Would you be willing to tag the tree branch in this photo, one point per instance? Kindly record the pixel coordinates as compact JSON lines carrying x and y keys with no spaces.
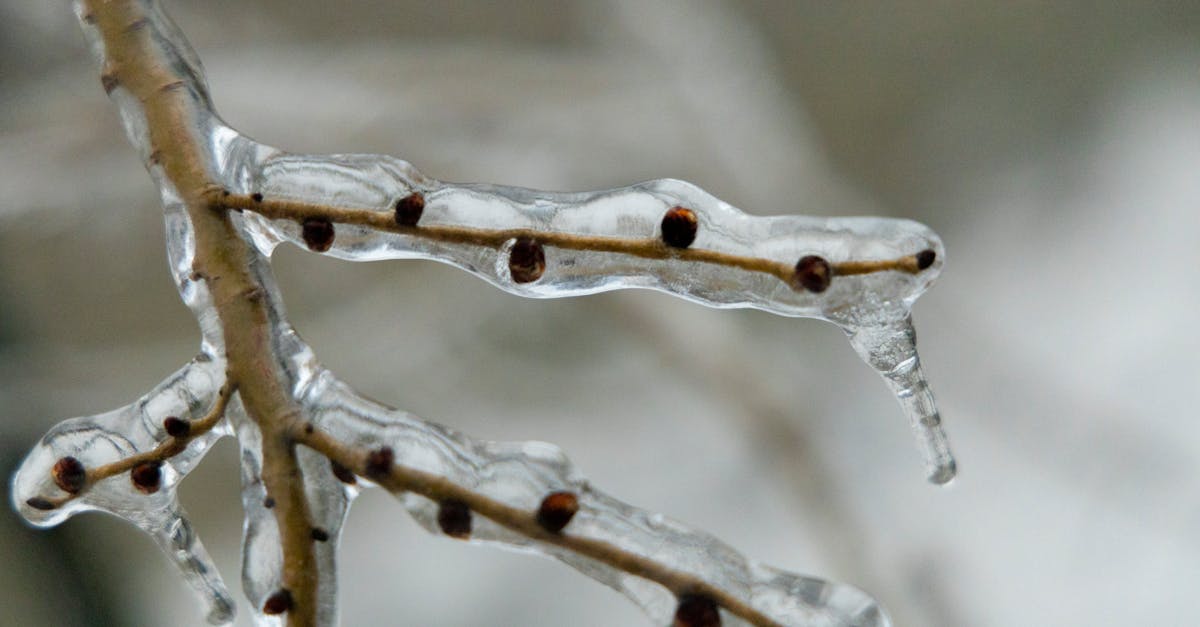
{"x":228,"y":201}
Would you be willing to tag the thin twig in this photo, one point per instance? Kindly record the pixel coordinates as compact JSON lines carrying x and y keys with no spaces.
{"x":400,"y":478}
{"x":646,"y":248}
{"x":168,"y":448}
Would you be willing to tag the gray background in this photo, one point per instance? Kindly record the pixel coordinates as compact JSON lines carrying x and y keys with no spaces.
{"x":1053,"y":145}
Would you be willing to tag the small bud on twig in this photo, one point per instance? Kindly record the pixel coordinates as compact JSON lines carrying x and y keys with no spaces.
{"x":526,"y":261}
{"x":813,"y":273}
{"x":679,"y":227}
{"x":925,"y":258}
{"x":278,"y":603}
{"x":696,"y":611}
{"x":38,"y":502}
{"x":409,"y":209}
{"x":146,"y":476}
{"x":318,"y":234}
{"x":69,"y":474}
{"x":379,"y":462}
{"x":177,"y":427}
{"x":454,"y":517}
{"x":345,"y":475}
{"x":556,"y":511}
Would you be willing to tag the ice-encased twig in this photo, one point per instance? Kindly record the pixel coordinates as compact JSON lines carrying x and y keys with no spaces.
{"x":647,"y":557}
{"x":873,"y":271}
{"x":588,"y":242}
{"x":96,"y":441}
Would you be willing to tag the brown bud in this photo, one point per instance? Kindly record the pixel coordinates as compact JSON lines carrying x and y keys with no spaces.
{"x":278,"y":603}
{"x":696,"y":611}
{"x":813,"y":273}
{"x":146,"y":476}
{"x":925,"y":258}
{"x":409,"y":209}
{"x":379,"y":462}
{"x":256,"y":197}
{"x":38,"y":502}
{"x":342,"y":473}
{"x":679,"y":227}
{"x":109,"y":82}
{"x":454,"y":517}
{"x":320,"y":535}
{"x":556,"y":511}
{"x":69,"y":474}
{"x":318,"y":234}
{"x":269,"y":502}
{"x":527,"y":260}
{"x":177,"y":427}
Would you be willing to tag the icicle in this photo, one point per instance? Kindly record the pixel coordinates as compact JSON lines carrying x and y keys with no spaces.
{"x":892,"y":351}
{"x":173,"y":533}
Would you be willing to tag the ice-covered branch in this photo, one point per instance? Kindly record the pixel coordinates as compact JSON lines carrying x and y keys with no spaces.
{"x":128,"y":462}
{"x":528,"y":495}
{"x":229,"y":201}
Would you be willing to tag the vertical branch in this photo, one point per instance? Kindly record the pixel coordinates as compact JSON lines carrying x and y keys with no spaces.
{"x":164,"y":104}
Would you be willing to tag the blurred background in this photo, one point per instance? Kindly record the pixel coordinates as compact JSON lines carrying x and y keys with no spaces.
{"x":1054,"y":146}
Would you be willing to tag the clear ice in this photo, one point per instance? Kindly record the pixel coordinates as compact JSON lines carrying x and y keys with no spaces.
{"x":873,"y":309}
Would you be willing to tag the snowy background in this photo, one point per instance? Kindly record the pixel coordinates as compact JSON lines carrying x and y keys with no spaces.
{"x":1054,"y":146}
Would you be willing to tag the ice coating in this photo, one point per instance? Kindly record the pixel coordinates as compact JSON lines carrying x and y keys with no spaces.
{"x":592,"y":242}
{"x":605,"y":240}
{"x":519,"y":474}
{"x":119,"y":434}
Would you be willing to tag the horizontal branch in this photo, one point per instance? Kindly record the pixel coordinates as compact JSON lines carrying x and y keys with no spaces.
{"x":397,"y":478}
{"x":73,"y":478}
{"x":793,"y":273}
{"x":532,"y":493}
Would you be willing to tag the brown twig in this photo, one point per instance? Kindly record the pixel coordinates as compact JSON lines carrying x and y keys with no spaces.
{"x":398,"y":478}
{"x":646,"y":248}
{"x":168,"y":448}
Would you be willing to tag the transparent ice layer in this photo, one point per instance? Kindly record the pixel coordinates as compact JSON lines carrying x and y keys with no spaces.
{"x":106,"y":438}
{"x":873,"y":308}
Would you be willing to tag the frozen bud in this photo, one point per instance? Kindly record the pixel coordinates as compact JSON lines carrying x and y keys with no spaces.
{"x":526,"y":261}
{"x":69,"y":475}
{"x":925,"y":258}
{"x":342,"y":473}
{"x":454,"y":517}
{"x":318,"y":234}
{"x":696,"y":611}
{"x":813,"y":273}
{"x":278,"y":603}
{"x":556,"y":511}
{"x":177,"y":427}
{"x":679,"y":227}
{"x":147,"y":476}
{"x":409,"y":209}
{"x":379,"y":462}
